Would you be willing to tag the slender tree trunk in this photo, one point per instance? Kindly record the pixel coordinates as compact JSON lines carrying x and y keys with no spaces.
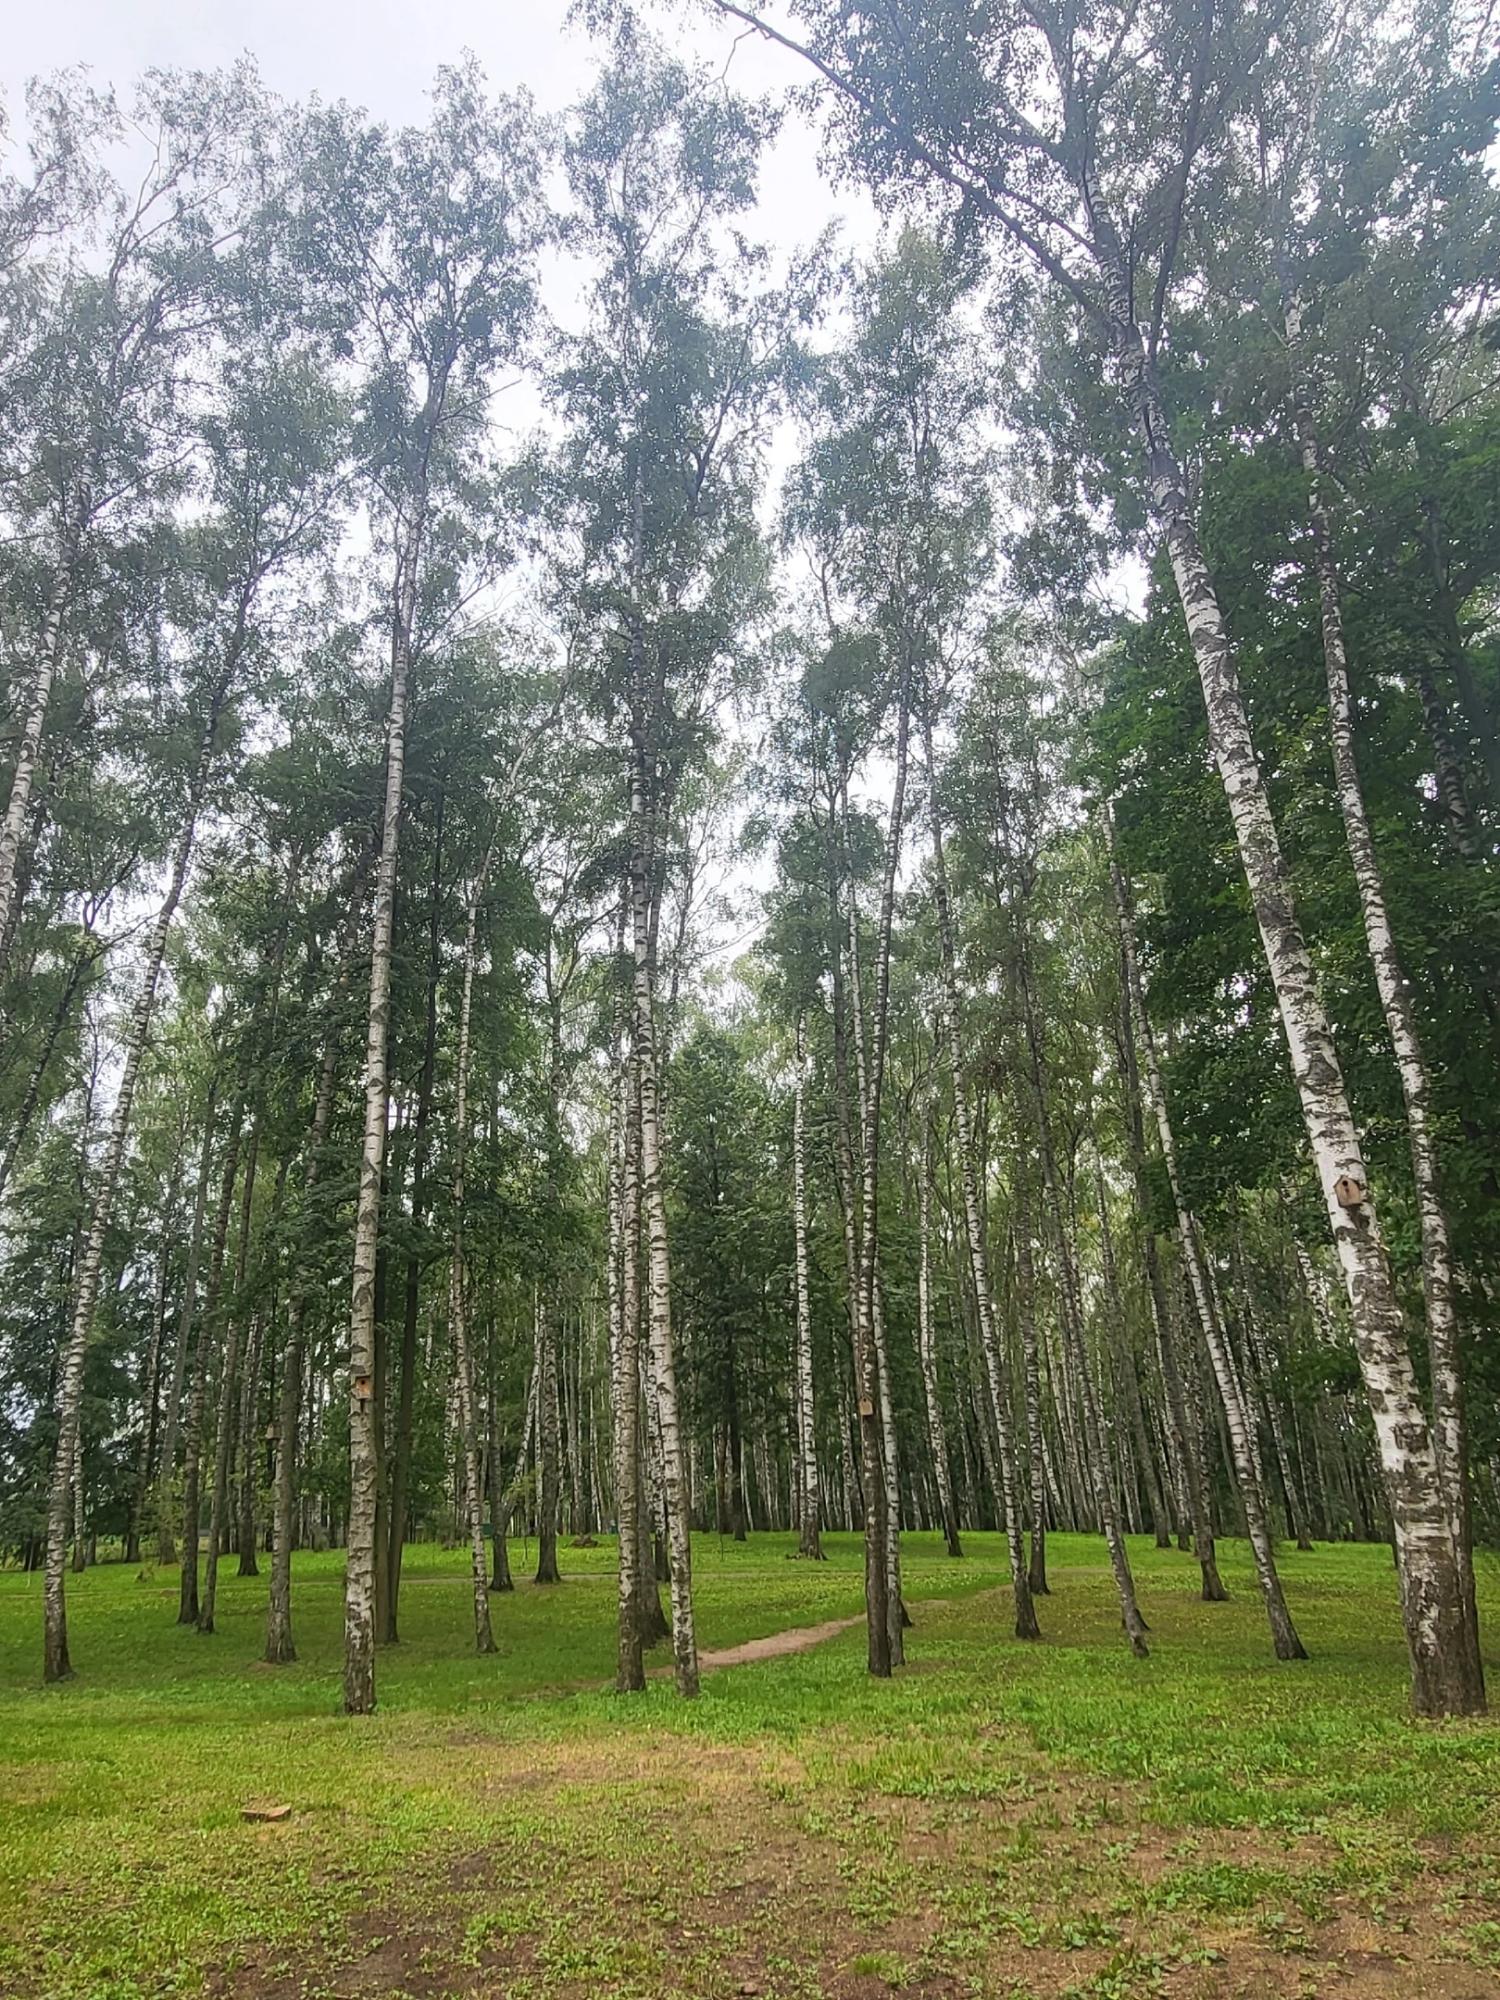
{"x":56,"y":1663}
{"x":1259,"y":1361}
{"x":86,"y":955}
{"x":280,"y":1649}
{"x":927,"y":1351}
{"x":1180,"y":1411}
{"x":1284,"y":1639}
{"x":658,"y":1258}
{"x":150,"y":1396}
{"x":412,"y":1297}
{"x":853,"y":1519}
{"x":549,"y":1450}
{"x":1059,"y":1207}
{"x":229,"y":1381}
{"x":809,"y":1498}
{"x":644,"y":859}
{"x":505,"y":1491}
{"x":1032,"y":1383}
{"x":33,"y":719}
{"x":1025,"y":1610}
{"x":1129,"y":1380}
{"x":1435,"y":1611}
{"x":631,"y":1671}
{"x":359,"y":1579}
{"x":872,"y":1083}
{"x":1448,"y":770}
{"x":890,"y":1461}
{"x":458,"y":1307}
{"x":208,"y":1332}
{"x":1448,"y":1431}
{"x":165,"y":1550}
{"x":249,"y":1442}
{"x":871,"y":1471}
{"x":549,"y":1330}
{"x":1433,"y":537}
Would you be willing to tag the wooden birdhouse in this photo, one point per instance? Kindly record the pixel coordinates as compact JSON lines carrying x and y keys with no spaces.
{"x":364,"y":1388}
{"x":1348,"y":1192}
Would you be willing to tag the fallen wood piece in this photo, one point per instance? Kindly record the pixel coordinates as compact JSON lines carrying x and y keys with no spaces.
{"x":265,"y":1812}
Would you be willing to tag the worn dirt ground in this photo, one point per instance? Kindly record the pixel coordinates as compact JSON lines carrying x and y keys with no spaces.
{"x":736,"y":1882}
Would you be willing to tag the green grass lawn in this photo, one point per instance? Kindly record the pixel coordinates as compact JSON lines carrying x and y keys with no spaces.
{"x":1045,"y":1820}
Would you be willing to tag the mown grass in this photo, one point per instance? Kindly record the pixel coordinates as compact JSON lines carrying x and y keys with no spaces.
{"x":1080,"y":1820}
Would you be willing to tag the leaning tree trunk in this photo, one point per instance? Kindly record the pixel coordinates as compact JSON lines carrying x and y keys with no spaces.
{"x":1074,"y":1338}
{"x":810,"y":1504}
{"x":359,"y":1576}
{"x":33,"y":719}
{"x":56,"y":1664}
{"x":1448,"y":1430}
{"x":1180,"y":1412}
{"x":1025,"y":1610}
{"x":1125,"y":1360}
{"x":1285,"y":1642}
{"x":1434,"y":1608}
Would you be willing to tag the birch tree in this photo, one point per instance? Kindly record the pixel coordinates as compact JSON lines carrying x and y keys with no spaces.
{"x":440,"y":310}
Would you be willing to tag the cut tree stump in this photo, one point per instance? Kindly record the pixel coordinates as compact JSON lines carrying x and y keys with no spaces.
{"x":266,"y":1812}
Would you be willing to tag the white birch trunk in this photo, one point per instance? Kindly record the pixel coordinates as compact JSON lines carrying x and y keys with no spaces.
{"x":165,"y":1549}
{"x":56,"y":1663}
{"x":809,"y":1497}
{"x":38,"y":699}
{"x":625,"y":1395}
{"x":658,"y":1256}
{"x":927,"y":1352}
{"x":458,"y":1301}
{"x":1434,"y":1608}
{"x":1285,"y":1642}
{"x":359,"y":1576}
{"x":1396,"y":1001}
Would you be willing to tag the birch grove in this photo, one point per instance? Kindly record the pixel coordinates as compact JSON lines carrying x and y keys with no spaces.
{"x":744,"y":900}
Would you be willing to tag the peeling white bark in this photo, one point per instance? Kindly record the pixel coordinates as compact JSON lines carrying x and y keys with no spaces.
{"x":1434,"y":1611}
{"x":1396,"y":999}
